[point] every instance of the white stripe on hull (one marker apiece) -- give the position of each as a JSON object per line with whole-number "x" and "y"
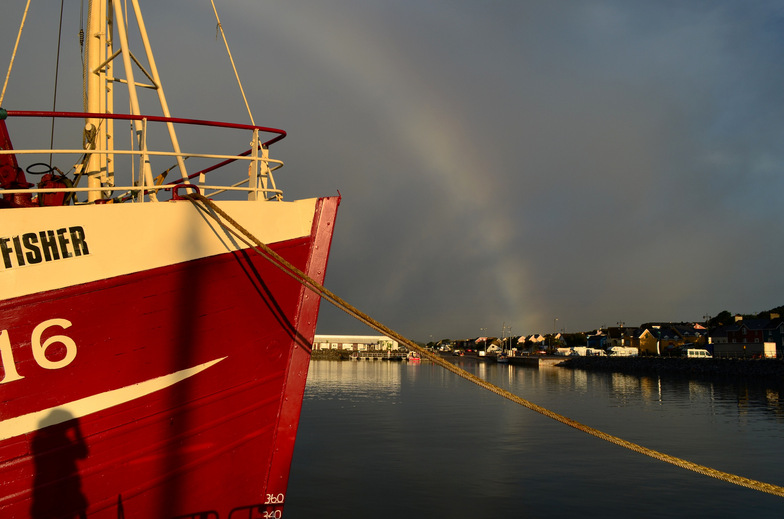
{"x": 92, "y": 404}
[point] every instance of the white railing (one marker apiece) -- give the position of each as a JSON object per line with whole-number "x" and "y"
{"x": 258, "y": 184}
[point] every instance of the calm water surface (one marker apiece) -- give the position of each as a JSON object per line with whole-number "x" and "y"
{"x": 391, "y": 440}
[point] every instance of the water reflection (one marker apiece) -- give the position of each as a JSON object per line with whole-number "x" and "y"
{"x": 584, "y": 395}
{"x": 419, "y": 441}
{"x": 57, "y": 487}
{"x": 356, "y": 379}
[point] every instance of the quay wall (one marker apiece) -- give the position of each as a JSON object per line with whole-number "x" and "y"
{"x": 536, "y": 361}
{"x": 770, "y": 369}
{"x": 331, "y": 355}
{"x": 354, "y": 355}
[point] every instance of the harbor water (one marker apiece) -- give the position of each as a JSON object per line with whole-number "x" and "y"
{"x": 395, "y": 439}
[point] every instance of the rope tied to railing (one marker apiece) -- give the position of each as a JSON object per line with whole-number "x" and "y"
{"x": 242, "y": 234}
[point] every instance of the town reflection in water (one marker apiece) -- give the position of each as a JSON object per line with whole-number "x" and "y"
{"x": 379, "y": 379}
{"x": 455, "y": 450}
{"x": 349, "y": 379}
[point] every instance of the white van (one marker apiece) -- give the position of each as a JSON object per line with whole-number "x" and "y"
{"x": 697, "y": 353}
{"x": 622, "y": 351}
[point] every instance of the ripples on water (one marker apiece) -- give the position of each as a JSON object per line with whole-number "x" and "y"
{"x": 385, "y": 439}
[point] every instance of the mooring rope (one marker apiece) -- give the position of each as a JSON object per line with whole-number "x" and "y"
{"x": 246, "y": 237}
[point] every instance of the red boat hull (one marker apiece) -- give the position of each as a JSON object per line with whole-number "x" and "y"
{"x": 183, "y": 399}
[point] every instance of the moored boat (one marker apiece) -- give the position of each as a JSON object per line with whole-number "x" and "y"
{"x": 152, "y": 364}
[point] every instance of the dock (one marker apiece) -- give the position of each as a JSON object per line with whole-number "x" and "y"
{"x": 379, "y": 355}
{"x": 536, "y": 361}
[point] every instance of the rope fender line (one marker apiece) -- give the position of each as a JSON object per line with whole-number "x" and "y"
{"x": 234, "y": 228}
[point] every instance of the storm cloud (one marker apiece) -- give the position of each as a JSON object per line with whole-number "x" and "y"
{"x": 509, "y": 162}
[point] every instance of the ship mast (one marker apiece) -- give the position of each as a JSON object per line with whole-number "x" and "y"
{"x": 94, "y": 132}
{"x": 99, "y": 90}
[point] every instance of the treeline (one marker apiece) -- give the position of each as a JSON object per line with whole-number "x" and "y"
{"x": 724, "y": 317}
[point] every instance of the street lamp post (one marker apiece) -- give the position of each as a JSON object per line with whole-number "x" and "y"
{"x": 707, "y": 330}
{"x": 510, "y": 339}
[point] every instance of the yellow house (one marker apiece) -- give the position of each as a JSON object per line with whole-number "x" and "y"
{"x": 646, "y": 341}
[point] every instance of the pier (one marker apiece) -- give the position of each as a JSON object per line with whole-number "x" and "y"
{"x": 536, "y": 361}
{"x": 379, "y": 355}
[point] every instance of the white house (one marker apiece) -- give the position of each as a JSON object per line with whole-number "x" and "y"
{"x": 354, "y": 342}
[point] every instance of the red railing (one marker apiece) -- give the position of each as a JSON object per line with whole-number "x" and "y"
{"x": 280, "y": 134}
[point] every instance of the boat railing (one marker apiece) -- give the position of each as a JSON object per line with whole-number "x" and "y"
{"x": 258, "y": 183}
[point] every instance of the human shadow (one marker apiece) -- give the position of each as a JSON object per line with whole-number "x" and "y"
{"x": 57, "y": 486}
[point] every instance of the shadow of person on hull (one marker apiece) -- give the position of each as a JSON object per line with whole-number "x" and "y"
{"x": 57, "y": 486}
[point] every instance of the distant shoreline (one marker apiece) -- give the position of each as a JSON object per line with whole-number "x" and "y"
{"x": 747, "y": 369}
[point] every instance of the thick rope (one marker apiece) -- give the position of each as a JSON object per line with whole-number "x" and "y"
{"x": 243, "y": 235}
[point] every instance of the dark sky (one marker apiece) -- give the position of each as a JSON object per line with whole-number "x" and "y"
{"x": 500, "y": 162}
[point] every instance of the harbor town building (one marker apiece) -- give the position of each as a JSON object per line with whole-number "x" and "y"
{"x": 355, "y": 343}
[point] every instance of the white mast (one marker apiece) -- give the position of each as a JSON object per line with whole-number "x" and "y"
{"x": 158, "y": 86}
{"x": 99, "y": 90}
{"x": 146, "y": 172}
{"x": 96, "y": 41}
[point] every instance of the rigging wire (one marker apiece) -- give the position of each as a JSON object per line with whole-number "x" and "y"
{"x": 236, "y": 74}
{"x": 81, "y": 34}
{"x": 85, "y": 45}
{"x": 13, "y": 54}
{"x": 56, "y": 77}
